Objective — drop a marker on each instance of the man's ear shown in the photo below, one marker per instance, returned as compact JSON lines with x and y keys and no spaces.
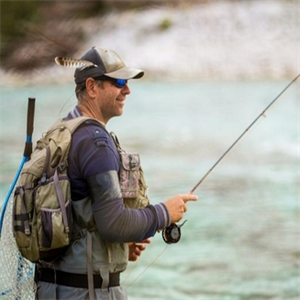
{"x":90,"y":84}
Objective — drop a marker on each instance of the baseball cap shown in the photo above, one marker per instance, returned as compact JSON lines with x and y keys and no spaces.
{"x":105,"y":62}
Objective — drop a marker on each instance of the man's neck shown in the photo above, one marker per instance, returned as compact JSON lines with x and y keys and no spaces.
{"x":87,"y":112}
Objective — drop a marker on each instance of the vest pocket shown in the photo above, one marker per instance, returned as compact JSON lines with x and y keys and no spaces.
{"x":129,"y":174}
{"x":52,"y":226}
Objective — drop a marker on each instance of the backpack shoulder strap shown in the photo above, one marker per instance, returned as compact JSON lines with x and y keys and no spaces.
{"x":73,"y":124}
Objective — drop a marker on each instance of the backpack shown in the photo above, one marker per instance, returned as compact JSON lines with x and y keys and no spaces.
{"x":42,"y":205}
{"x":42,"y":212}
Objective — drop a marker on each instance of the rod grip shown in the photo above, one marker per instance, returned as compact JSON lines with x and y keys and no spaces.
{"x":30,"y":115}
{"x":29,"y":129}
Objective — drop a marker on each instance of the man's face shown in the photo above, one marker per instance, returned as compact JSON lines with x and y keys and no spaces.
{"x":111,"y":99}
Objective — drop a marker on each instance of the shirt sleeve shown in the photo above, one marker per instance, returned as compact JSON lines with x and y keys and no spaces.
{"x":115,"y":222}
{"x":92,"y":151}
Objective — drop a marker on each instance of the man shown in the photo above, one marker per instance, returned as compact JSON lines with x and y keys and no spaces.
{"x":91,"y":267}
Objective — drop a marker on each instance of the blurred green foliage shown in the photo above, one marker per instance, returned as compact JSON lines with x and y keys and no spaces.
{"x":14,"y":13}
{"x":15,"y":16}
{"x":36,"y":24}
{"x":165,"y":24}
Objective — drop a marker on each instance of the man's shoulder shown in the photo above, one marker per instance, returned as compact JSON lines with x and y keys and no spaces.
{"x":91,"y":129}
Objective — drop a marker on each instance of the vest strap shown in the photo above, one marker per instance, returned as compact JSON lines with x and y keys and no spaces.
{"x":89,"y":259}
{"x":105,"y":282}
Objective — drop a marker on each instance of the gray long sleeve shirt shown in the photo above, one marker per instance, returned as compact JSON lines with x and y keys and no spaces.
{"x":92,"y":157}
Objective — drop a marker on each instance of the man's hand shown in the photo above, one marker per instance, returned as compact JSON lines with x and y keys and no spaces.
{"x":177,"y":206}
{"x":135,"y":249}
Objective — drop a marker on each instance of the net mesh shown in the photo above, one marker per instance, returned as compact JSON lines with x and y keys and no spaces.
{"x":16,"y":273}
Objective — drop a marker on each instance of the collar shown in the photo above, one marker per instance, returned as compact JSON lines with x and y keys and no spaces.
{"x":76,"y":112}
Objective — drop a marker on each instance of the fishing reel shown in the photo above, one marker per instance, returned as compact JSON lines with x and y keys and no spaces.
{"x":172,"y":233}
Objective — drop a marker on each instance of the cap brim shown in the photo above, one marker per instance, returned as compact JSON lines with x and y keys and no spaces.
{"x":126,"y":73}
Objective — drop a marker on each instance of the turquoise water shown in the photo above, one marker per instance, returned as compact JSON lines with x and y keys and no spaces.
{"x":241,"y":240}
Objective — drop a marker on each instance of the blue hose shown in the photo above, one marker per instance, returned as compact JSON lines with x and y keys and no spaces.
{"x":24,"y":159}
{"x":26,"y":155}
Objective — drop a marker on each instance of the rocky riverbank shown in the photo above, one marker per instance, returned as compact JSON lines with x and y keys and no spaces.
{"x":207,"y":40}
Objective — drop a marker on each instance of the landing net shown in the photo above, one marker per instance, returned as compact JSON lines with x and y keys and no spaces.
{"x":16,"y":273}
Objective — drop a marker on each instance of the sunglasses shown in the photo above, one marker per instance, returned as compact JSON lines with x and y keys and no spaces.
{"x":119,"y":83}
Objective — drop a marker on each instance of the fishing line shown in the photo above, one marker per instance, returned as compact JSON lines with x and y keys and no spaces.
{"x":150,"y":265}
{"x":65,"y":104}
{"x":42,"y":74}
{"x":128,"y":273}
{"x":246,"y":130}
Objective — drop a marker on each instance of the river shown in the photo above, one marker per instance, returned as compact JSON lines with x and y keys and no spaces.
{"x":241,"y":240}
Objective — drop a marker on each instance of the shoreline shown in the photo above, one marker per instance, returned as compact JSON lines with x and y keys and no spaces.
{"x":219,"y":40}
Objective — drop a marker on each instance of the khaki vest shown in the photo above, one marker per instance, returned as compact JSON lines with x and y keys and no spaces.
{"x":106,"y":257}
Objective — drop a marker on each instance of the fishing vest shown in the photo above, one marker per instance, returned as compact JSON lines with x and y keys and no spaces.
{"x":106,"y":257}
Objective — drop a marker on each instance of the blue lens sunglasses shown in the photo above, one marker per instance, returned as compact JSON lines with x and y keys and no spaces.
{"x":119,"y":83}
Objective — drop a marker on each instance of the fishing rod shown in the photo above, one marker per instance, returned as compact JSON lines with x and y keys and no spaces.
{"x":172,"y":233}
{"x":26,"y":155}
{"x":246,"y":130}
